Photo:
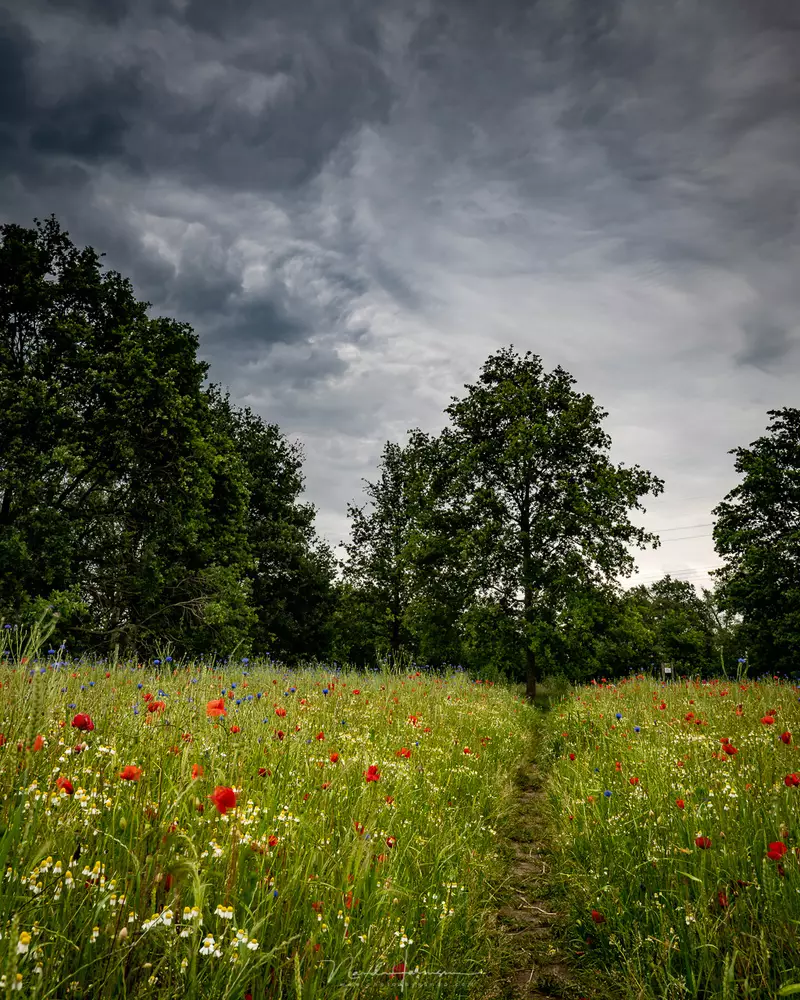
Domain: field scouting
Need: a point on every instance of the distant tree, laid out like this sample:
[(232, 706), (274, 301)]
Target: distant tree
[(757, 533), (290, 571), (549, 512), (680, 625), (380, 550)]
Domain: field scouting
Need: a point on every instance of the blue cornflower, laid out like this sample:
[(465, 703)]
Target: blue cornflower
[(324, 690), (233, 687), (140, 686), (72, 705), (637, 729), (169, 659), (238, 701), (607, 794), (245, 659), (597, 770), (274, 893), (619, 715), (157, 662)]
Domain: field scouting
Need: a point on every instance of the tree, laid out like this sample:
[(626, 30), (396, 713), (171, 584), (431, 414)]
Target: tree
[(548, 509), (116, 487), (290, 571), (380, 549), (679, 623), (757, 533)]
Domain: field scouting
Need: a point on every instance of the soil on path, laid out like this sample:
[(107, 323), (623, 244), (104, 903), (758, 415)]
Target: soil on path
[(529, 963)]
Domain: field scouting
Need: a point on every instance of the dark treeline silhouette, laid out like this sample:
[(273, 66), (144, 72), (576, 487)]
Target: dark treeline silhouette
[(154, 515)]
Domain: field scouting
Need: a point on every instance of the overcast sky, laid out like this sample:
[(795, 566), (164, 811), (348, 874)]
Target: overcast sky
[(355, 202)]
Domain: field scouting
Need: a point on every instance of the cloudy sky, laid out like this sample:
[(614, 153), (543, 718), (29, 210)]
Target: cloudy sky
[(355, 202)]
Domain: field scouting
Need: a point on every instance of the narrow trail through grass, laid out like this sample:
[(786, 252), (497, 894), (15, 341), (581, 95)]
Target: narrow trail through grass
[(529, 961)]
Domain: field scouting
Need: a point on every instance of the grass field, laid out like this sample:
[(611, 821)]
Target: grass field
[(677, 816), (174, 832)]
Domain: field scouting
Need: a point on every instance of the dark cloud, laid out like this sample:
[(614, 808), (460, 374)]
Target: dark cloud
[(355, 202)]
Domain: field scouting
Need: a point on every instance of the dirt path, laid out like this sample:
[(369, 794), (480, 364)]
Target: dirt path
[(531, 966)]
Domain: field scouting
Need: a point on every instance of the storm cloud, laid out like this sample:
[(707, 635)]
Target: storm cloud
[(354, 203)]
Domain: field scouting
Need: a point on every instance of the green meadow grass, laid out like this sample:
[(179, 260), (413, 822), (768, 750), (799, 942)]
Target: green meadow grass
[(318, 883), (680, 860)]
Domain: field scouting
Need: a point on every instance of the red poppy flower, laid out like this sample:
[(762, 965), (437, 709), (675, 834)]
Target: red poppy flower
[(262, 772), (148, 696), (467, 750), (633, 781), (334, 757), (572, 756), (703, 843), (722, 899), (398, 970), (776, 851), (356, 691), (730, 749), (273, 841), (279, 734), (2, 740), (767, 721), (83, 722), (234, 729), (156, 706), (598, 917), (215, 708), (389, 799), (403, 752), (413, 719), (280, 711), (38, 743), (130, 773), (680, 803), (320, 736), (792, 780), (197, 771), (372, 773), (786, 738), (65, 785), (224, 798), (391, 841)]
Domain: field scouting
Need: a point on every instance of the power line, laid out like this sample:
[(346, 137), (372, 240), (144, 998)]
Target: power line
[(683, 538), (686, 527)]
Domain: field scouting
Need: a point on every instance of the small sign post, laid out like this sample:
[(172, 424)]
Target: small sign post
[(666, 671)]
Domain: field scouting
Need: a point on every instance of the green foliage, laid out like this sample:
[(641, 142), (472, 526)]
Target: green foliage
[(757, 533), (132, 496), (548, 509)]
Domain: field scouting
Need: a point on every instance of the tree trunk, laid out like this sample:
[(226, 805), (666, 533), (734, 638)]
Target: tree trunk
[(530, 682), (527, 601)]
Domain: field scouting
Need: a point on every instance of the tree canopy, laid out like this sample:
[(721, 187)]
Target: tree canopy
[(757, 533)]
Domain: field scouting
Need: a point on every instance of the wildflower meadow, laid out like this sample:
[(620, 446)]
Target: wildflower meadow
[(184, 830), (676, 811)]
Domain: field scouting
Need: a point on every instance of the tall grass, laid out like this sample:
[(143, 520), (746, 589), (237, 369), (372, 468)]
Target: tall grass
[(318, 883), (681, 857)]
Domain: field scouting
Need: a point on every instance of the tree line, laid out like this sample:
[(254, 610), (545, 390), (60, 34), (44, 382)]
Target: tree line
[(156, 516)]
